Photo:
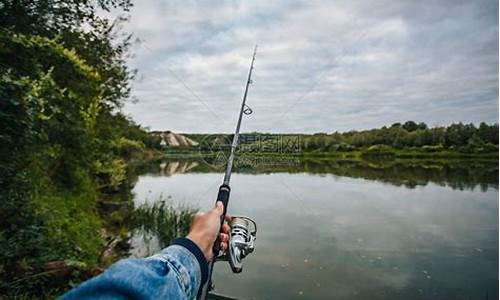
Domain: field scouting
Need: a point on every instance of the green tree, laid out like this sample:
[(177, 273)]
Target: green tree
[(488, 133), (410, 126), (63, 140)]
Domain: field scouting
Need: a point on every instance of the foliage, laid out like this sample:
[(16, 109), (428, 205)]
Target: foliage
[(378, 151), (462, 137), (459, 137), (64, 142)]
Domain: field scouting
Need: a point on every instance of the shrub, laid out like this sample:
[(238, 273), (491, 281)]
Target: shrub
[(430, 149)]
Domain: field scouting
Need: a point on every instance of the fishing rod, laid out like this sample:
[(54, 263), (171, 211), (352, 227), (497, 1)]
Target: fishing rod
[(243, 230)]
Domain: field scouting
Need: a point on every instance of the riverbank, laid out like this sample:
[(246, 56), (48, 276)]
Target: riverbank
[(384, 152)]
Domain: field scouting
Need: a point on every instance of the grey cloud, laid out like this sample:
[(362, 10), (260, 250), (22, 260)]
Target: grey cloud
[(322, 65)]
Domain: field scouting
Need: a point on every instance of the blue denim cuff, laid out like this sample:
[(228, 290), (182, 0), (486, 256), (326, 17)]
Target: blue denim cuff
[(196, 251)]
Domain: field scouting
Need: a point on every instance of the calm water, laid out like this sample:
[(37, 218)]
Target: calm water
[(344, 232)]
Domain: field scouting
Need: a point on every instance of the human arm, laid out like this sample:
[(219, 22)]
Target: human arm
[(176, 272)]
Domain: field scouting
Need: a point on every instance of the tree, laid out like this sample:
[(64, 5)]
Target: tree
[(488, 133), (422, 126), (62, 134), (410, 126)]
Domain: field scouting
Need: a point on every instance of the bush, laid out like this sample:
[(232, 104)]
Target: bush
[(379, 151), (490, 148), (342, 147), (127, 148), (431, 149)]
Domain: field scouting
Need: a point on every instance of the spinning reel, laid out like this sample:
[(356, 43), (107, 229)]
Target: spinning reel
[(241, 242)]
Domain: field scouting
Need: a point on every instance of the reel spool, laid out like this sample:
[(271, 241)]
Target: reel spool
[(242, 237)]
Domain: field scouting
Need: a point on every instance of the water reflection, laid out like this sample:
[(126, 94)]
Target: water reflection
[(353, 230), (409, 173), (169, 168)]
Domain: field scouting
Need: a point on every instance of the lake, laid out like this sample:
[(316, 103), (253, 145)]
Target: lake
[(347, 230)]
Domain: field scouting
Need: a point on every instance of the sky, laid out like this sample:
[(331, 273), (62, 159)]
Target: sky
[(321, 66)]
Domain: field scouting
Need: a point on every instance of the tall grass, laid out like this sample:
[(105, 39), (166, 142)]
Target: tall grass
[(163, 220)]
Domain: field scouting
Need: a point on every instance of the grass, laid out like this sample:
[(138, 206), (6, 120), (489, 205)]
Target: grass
[(365, 153)]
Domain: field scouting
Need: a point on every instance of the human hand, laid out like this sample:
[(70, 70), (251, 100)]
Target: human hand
[(205, 228)]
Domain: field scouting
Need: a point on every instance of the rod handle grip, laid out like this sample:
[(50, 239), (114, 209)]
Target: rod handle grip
[(223, 196)]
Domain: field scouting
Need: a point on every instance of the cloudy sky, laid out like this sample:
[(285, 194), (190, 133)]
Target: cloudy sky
[(321, 65)]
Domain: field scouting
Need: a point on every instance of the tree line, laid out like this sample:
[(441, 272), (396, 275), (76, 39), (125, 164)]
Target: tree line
[(457, 136), (408, 135)]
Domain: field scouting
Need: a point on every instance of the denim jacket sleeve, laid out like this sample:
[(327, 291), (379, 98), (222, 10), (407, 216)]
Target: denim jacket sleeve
[(176, 272)]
